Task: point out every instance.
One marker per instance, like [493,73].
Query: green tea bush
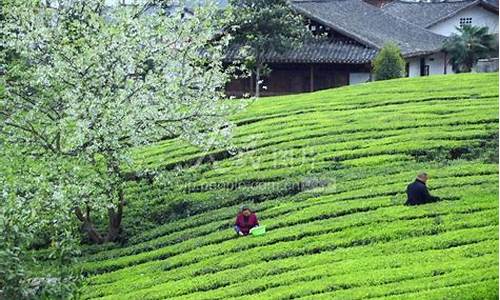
[326,173]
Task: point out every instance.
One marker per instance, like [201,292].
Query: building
[357,30]
[442,18]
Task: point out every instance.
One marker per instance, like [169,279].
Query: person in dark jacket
[418,193]
[245,221]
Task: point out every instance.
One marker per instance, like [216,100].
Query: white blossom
[99,80]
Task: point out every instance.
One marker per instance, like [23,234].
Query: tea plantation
[326,173]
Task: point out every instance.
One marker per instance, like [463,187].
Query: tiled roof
[426,14]
[402,21]
[492,2]
[318,52]
[370,25]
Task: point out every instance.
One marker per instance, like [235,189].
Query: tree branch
[79,215]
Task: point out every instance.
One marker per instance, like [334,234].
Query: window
[465,21]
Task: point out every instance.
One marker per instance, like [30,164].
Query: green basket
[257,231]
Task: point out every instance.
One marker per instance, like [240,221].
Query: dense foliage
[388,64]
[33,211]
[91,81]
[327,173]
[470,44]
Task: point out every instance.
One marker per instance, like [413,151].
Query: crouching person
[418,193]
[245,220]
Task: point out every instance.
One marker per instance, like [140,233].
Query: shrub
[389,63]
[469,45]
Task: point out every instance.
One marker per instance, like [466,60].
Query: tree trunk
[115,220]
[114,223]
[257,82]
[114,213]
[88,226]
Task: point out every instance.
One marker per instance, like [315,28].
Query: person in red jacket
[245,221]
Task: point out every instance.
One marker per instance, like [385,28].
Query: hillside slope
[326,173]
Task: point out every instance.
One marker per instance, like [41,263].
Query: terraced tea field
[326,173]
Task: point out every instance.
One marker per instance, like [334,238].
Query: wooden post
[311,75]
[251,84]
[257,82]
[445,62]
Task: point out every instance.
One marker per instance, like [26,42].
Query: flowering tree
[91,81]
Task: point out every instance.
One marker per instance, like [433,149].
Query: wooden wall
[296,78]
